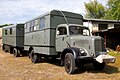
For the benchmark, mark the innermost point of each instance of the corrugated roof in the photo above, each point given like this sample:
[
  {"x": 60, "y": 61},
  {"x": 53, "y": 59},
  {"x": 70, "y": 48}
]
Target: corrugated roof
[
  {"x": 117, "y": 29},
  {"x": 101, "y": 20}
]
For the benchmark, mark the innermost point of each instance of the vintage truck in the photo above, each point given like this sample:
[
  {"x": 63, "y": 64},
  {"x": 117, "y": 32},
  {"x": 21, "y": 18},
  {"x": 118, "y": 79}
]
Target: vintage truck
[{"x": 61, "y": 34}]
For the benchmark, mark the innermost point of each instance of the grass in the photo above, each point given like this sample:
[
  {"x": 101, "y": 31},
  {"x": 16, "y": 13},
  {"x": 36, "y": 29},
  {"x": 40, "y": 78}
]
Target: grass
[
  {"x": 21, "y": 68},
  {"x": 114, "y": 53}
]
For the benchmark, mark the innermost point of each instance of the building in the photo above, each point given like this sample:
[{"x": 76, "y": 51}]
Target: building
[
  {"x": 108, "y": 29},
  {"x": 0, "y": 36}
]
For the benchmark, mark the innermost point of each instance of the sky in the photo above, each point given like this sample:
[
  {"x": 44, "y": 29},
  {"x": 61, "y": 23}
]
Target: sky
[{"x": 20, "y": 11}]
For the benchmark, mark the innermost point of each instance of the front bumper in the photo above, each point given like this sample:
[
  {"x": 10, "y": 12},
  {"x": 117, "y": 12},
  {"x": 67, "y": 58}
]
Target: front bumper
[{"x": 105, "y": 58}]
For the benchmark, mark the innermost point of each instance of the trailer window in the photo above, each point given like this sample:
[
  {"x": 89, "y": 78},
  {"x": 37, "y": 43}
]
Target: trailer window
[
  {"x": 31, "y": 28},
  {"x": 42, "y": 23},
  {"x": 10, "y": 31},
  {"x": 36, "y": 22},
  {"x": 62, "y": 31},
  {"x": 5, "y": 31},
  {"x": 25, "y": 26},
  {"x": 33, "y": 25},
  {"x": 36, "y": 27}
]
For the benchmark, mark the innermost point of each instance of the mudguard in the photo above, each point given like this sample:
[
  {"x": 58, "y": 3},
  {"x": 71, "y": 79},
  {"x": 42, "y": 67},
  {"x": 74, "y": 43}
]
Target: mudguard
[{"x": 73, "y": 50}]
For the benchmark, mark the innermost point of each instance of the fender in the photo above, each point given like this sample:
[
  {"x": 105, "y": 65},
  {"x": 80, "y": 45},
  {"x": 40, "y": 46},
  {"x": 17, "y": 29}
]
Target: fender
[{"x": 75, "y": 51}]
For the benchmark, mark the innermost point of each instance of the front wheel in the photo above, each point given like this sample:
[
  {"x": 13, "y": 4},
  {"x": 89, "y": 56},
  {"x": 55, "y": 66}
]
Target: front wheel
[
  {"x": 98, "y": 66},
  {"x": 34, "y": 57},
  {"x": 69, "y": 63}
]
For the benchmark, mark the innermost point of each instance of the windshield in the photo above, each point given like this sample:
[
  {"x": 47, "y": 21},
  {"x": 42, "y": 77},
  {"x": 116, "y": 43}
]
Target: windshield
[{"x": 77, "y": 30}]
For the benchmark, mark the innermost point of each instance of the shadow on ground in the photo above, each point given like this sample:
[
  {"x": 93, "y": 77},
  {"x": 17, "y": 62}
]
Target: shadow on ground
[{"x": 87, "y": 67}]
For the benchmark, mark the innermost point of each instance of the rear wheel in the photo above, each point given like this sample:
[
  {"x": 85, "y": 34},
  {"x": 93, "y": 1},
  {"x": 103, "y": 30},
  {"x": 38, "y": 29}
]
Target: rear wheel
[
  {"x": 46, "y": 57},
  {"x": 69, "y": 63},
  {"x": 34, "y": 57},
  {"x": 3, "y": 48},
  {"x": 98, "y": 66},
  {"x": 16, "y": 52},
  {"x": 11, "y": 50}
]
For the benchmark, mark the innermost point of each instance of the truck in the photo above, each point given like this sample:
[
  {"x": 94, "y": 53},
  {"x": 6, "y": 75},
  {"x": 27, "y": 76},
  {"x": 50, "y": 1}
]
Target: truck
[{"x": 61, "y": 34}]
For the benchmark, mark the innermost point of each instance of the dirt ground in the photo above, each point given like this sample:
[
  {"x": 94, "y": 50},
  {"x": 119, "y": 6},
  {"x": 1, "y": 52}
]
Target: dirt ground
[{"x": 22, "y": 68}]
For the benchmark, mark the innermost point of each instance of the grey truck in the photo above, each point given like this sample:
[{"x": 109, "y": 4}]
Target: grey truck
[{"x": 61, "y": 34}]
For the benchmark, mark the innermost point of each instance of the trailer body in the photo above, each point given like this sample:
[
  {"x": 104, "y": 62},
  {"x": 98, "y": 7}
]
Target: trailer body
[{"x": 13, "y": 37}]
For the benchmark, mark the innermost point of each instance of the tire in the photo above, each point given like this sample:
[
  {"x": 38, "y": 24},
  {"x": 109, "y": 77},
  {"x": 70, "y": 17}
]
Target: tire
[
  {"x": 11, "y": 50},
  {"x": 98, "y": 66},
  {"x": 61, "y": 62},
  {"x": 69, "y": 63},
  {"x": 34, "y": 57},
  {"x": 3, "y": 48},
  {"x": 79, "y": 65},
  {"x": 16, "y": 52},
  {"x": 46, "y": 57}
]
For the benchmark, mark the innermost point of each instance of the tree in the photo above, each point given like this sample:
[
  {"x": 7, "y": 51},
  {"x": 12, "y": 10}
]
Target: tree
[
  {"x": 5, "y": 25},
  {"x": 94, "y": 10},
  {"x": 113, "y": 10}
]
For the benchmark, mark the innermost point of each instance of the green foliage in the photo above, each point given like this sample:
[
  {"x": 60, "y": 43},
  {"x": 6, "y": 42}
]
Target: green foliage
[
  {"x": 114, "y": 53},
  {"x": 5, "y": 25},
  {"x": 113, "y": 9},
  {"x": 94, "y": 10}
]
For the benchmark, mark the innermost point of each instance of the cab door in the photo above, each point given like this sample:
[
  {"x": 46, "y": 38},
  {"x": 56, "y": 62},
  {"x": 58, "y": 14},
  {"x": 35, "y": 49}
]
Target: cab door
[{"x": 61, "y": 38}]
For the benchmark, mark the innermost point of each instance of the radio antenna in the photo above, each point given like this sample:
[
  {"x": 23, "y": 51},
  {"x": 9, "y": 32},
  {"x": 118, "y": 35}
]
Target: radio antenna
[{"x": 64, "y": 17}]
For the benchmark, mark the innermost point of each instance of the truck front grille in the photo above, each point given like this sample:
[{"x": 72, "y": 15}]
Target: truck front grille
[{"x": 99, "y": 45}]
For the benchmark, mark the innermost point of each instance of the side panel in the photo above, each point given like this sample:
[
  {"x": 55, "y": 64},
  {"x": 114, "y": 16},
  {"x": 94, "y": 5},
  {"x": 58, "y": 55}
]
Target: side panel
[
  {"x": 40, "y": 39},
  {"x": 7, "y": 38}
]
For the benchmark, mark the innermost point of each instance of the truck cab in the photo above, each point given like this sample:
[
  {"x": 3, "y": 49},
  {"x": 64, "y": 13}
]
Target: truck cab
[
  {"x": 78, "y": 36},
  {"x": 66, "y": 35},
  {"x": 78, "y": 46}
]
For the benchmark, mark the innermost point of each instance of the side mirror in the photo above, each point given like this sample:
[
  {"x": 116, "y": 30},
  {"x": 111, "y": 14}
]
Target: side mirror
[{"x": 58, "y": 32}]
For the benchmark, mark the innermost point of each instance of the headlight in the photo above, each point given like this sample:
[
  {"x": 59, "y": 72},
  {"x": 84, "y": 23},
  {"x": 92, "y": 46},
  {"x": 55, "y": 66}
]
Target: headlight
[{"x": 83, "y": 52}]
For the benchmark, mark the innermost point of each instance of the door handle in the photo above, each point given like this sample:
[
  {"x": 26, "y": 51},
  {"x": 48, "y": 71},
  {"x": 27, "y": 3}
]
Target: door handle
[
  {"x": 32, "y": 36},
  {"x": 63, "y": 39}
]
